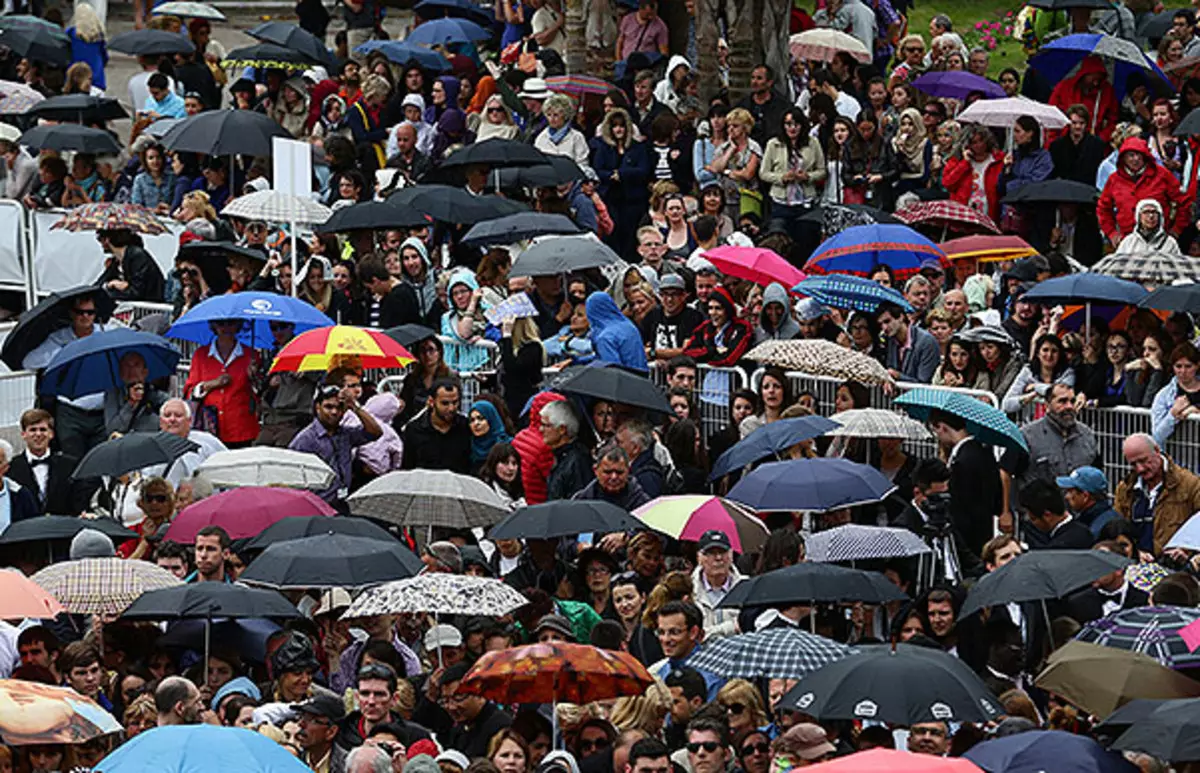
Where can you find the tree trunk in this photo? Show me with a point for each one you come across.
(776, 18)
(707, 34)
(574, 28)
(745, 46)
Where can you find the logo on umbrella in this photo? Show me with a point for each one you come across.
(941, 711)
(352, 345)
(805, 700)
(261, 304)
(866, 709)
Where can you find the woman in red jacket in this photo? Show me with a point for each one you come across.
(219, 385)
(973, 178)
(536, 456)
(723, 338)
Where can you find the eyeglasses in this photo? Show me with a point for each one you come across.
(762, 747)
(708, 746)
(593, 744)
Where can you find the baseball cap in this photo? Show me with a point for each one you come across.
(714, 539)
(322, 705)
(1087, 479)
(810, 309)
(442, 636)
(672, 282)
(556, 623)
(91, 543)
(809, 740)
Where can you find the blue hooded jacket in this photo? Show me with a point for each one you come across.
(614, 337)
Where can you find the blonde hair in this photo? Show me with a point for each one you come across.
(200, 200)
(142, 707)
(644, 712)
(376, 86)
(907, 39)
(560, 103)
(741, 117)
(741, 691)
(659, 192)
(87, 24)
(525, 331)
(674, 586)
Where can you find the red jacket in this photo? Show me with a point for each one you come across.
(958, 177)
(1122, 192)
(234, 404)
(1101, 105)
(536, 456)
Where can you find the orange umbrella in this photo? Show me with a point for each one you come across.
(22, 597)
(555, 673)
(988, 249)
(317, 349)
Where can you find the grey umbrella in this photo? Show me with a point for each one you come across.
(429, 498)
(562, 255)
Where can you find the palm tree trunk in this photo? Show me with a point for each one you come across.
(745, 46)
(707, 34)
(576, 59)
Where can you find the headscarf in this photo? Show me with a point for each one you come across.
(913, 147)
(451, 85)
(483, 91)
(482, 446)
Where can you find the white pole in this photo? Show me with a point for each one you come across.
(295, 280)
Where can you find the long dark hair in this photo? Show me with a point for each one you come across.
(822, 105)
(974, 364)
(1035, 363)
(861, 148)
(502, 452)
(833, 150)
(1030, 125)
(796, 115)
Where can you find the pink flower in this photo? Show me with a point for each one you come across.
(1008, 30)
(978, 25)
(995, 25)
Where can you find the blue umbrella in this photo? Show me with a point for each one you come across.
(1087, 288)
(817, 485)
(846, 291)
(439, 32)
(259, 309)
(93, 364)
(985, 423)
(957, 84)
(453, 9)
(1121, 57)
(1039, 750)
(195, 748)
(405, 53)
(858, 249)
(774, 438)
(247, 636)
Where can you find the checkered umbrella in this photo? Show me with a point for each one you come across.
(821, 358)
(876, 422)
(950, 215)
(102, 586)
(786, 653)
(1153, 631)
(1159, 269)
(862, 543)
(278, 207)
(429, 498)
(440, 593)
(105, 216)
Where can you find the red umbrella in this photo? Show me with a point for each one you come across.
(555, 673)
(245, 512)
(948, 215)
(895, 762)
(988, 249)
(755, 264)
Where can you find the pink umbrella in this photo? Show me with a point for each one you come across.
(687, 517)
(755, 264)
(245, 512)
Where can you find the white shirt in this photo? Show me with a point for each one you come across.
(41, 472)
(40, 357)
(1113, 600)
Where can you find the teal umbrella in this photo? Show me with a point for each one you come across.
(985, 423)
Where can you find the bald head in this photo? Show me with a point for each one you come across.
(955, 304)
(1144, 457)
(406, 138)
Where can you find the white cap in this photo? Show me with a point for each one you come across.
(442, 636)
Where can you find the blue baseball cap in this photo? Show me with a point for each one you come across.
(1087, 479)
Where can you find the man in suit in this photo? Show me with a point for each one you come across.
(1053, 528)
(974, 480)
(1111, 593)
(44, 473)
(17, 503)
(931, 493)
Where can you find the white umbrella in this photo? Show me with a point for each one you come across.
(263, 466)
(1003, 113)
(440, 594)
(820, 45)
(429, 498)
(854, 542)
(189, 9)
(278, 207)
(875, 423)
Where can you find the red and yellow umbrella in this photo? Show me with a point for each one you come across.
(988, 249)
(318, 349)
(555, 673)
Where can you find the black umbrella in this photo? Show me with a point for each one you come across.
(331, 561)
(373, 216)
(865, 214)
(313, 525)
(224, 133)
(613, 384)
(519, 227)
(1189, 125)
(51, 313)
(559, 171)
(1039, 575)
(902, 685)
(212, 258)
(459, 9)
(809, 582)
(206, 600)
(79, 108)
(1168, 732)
(1056, 191)
(409, 335)
(1120, 720)
(61, 527)
(1185, 298)
(70, 136)
(565, 517)
(496, 153)
(296, 38)
(563, 255)
(246, 636)
(268, 55)
(36, 39)
(1062, 5)
(447, 204)
(152, 43)
(134, 451)
(1156, 25)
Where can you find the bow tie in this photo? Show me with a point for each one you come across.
(45, 460)
(1112, 594)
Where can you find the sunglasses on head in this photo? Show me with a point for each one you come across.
(708, 746)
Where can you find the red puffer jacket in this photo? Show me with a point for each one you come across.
(1122, 192)
(536, 456)
(958, 176)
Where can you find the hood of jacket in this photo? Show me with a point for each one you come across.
(606, 126)
(722, 296)
(452, 86)
(419, 246)
(540, 401)
(602, 312)
(1136, 145)
(462, 277)
(383, 406)
(563, 758)
(788, 327)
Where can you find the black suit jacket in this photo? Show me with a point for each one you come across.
(1072, 535)
(1088, 604)
(975, 494)
(63, 495)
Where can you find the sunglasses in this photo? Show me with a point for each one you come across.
(84, 312)
(735, 708)
(708, 746)
(762, 747)
(597, 744)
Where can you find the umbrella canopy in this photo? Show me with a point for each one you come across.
(687, 517)
(1167, 730)
(988, 249)
(268, 56)
(244, 512)
(1158, 269)
(818, 357)
(411, 334)
(429, 498)
(612, 384)
(81, 107)
(35, 39)
(1133, 711)
(258, 309)
(316, 349)
(985, 423)
(835, 218)
(297, 527)
(1099, 679)
(496, 152)
(61, 527)
(808, 582)
(859, 249)
(578, 86)
(564, 517)
(373, 216)
(50, 314)
(213, 259)
(265, 466)
(224, 133)
(1058, 191)
(438, 593)
(1039, 575)
(448, 204)
(111, 217)
(846, 291)
(785, 652)
(769, 441)
(277, 207)
(331, 561)
(957, 84)
(555, 171)
(1056, 59)
(206, 600)
(93, 364)
(188, 9)
(894, 762)
(150, 42)
(853, 542)
(817, 485)
(1003, 113)
(294, 37)
(102, 586)
(17, 98)
(555, 673)
(36, 713)
(947, 214)
(1153, 631)
(405, 53)
(754, 264)
(1086, 288)
(134, 451)
(1038, 750)
(877, 423)
(821, 45)
(454, 9)
(904, 685)
(69, 136)
(990, 334)
(519, 227)
(440, 32)
(1188, 127)
(21, 597)
(1185, 298)
(188, 748)
(563, 255)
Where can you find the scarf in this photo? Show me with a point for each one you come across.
(558, 135)
(482, 446)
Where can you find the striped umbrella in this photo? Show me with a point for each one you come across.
(317, 349)
(105, 216)
(1153, 631)
(859, 249)
(102, 586)
(988, 249)
(688, 517)
(578, 85)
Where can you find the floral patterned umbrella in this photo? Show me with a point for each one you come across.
(111, 217)
(35, 713)
(439, 593)
(17, 98)
(555, 673)
(821, 358)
